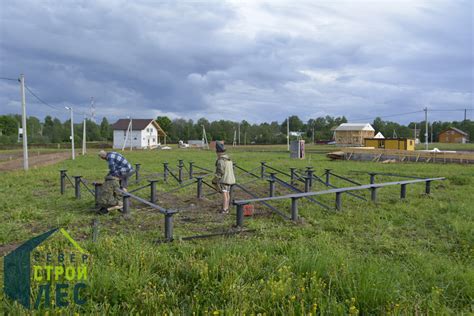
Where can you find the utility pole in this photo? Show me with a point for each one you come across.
(84, 136)
(414, 134)
(131, 130)
(432, 140)
(23, 122)
(72, 132)
(235, 138)
(426, 128)
(288, 133)
(465, 114)
(313, 136)
(239, 133)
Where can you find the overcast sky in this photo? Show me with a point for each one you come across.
(252, 60)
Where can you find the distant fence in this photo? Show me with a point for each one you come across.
(407, 155)
(57, 145)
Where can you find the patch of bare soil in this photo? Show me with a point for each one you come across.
(5, 249)
(35, 161)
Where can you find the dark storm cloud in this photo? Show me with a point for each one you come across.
(238, 60)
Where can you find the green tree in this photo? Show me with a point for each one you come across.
(105, 129)
(165, 123)
(8, 125)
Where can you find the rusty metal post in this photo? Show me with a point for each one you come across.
(97, 186)
(373, 194)
(262, 169)
(306, 184)
(240, 215)
(372, 177)
(137, 172)
(199, 187)
(77, 186)
(191, 169)
(328, 175)
(294, 209)
(338, 201)
(292, 173)
(403, 191)
(180, 171)
(62, 180)
(153, 198)
(169, 226)
(309, 174)
(126, 204)
(271, 190)
(165, 171)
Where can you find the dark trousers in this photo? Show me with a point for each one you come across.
(124, 179)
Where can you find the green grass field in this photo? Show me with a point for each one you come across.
(393, 257)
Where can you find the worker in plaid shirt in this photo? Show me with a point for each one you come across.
(118, 166)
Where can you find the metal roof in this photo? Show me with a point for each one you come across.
(137, 124)
(355, 127)
(456, 130)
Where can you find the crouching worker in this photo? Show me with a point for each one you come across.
(118, 166)
(109, 198)
(224, 177)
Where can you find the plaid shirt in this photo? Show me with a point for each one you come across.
(118, 165)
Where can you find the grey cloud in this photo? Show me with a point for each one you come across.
(250, 60)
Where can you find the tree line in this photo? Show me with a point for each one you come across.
(52, 130)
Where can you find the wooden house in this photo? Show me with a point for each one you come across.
(353, 134)
(453, 135)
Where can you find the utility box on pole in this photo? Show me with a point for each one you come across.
(297, 149)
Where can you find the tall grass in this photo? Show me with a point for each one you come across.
(393, 257)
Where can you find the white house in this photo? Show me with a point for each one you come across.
(142, 133)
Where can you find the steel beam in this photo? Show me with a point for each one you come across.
(373, 194)
(403, 191)
(292, 176)
(191, 169)
(240, 215)
(328, 175)
(262, 169)
(97, 186)
(153, 197)
(126, 204)
(165, 171)
(339, 201)
(77, 186)
(62, 180)
(294, 209)
(169, 226)
(307, 185)
(372, 177)
(137, 172)
(180, 171)
(199, 187)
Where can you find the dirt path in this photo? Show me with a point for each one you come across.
(34, 161)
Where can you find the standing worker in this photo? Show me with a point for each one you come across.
(224, 177)
(118, 166)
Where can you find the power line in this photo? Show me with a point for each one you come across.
(39, 99)
(11, 79)
(452, 110)
(385, 116)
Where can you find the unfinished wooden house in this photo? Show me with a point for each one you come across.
(353, 134)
